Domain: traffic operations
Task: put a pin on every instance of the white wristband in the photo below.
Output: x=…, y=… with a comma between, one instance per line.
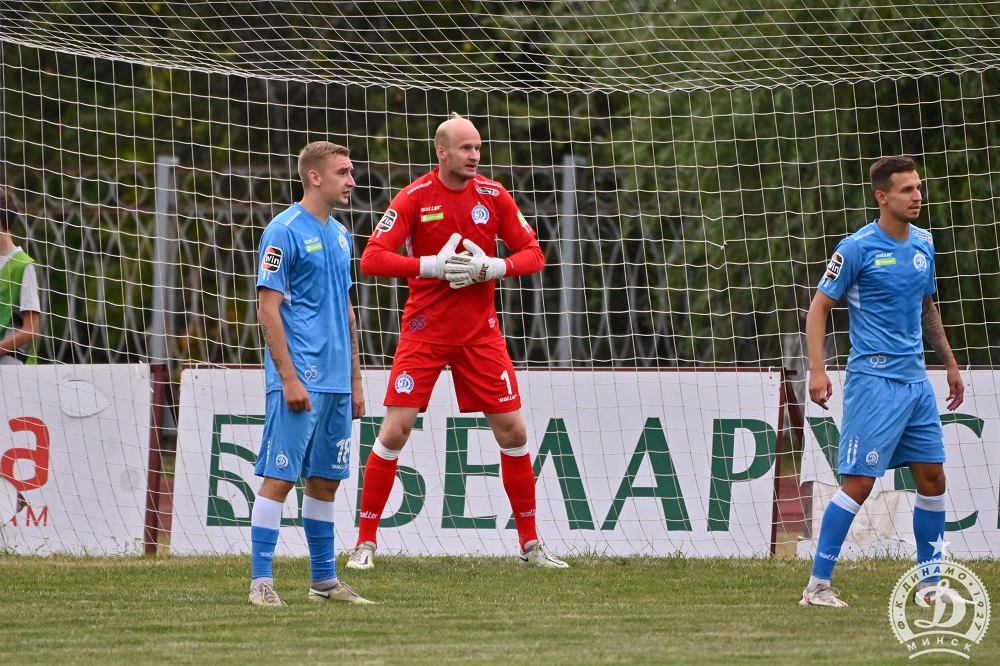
x=428, y=266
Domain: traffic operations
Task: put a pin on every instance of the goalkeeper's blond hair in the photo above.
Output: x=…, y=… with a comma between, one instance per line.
x=312, y=156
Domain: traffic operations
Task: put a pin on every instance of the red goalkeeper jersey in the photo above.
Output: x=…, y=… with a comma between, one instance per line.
x=423, y=216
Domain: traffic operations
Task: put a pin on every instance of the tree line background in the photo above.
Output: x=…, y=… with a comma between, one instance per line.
x=720, y=155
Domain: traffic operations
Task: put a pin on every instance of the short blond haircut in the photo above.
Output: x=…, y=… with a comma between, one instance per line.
x=312, y=156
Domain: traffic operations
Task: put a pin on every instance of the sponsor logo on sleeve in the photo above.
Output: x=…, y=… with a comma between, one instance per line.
x=833, y=268
x=385, y=224
x=271, y=260
x=493, y=192
x=480, y=214
x=524, y=223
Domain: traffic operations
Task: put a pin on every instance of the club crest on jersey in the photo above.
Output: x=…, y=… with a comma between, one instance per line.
x=343, y=244
x=271, y=260
x=480, y=214
x=920, y=262
x=487, y=190
x=833, y=268
x=404, y=383
x=388, y=219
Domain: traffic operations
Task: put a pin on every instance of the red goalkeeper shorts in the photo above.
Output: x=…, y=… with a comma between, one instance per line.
x=482, y=372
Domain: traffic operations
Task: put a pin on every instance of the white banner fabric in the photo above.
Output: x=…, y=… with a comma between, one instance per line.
x=74, y=449
x=632, y=462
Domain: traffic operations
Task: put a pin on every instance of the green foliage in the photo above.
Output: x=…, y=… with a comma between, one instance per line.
x=722, y=153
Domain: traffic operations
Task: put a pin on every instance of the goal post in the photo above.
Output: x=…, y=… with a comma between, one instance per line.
x=688, y=173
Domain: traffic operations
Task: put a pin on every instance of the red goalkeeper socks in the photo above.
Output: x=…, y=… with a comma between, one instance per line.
x=519, y=482
x=379, y=477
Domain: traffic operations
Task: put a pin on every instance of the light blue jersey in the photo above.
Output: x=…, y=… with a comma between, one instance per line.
x=884, y=281
x=310, y=263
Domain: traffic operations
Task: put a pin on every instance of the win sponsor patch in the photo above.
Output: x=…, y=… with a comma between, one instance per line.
x=271, y=261
x=432, y=217
x=389, y=219
x=833, y=268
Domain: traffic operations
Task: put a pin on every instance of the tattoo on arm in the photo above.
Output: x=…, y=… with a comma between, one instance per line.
x=355, y=348
x=269, y=341
x=934, y=331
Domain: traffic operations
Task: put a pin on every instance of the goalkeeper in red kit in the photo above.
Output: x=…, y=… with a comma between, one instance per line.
x=450, y=320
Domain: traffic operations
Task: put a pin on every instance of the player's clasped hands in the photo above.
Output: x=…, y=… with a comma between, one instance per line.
x=433, y=266
x=461, y=269
x=472, y=266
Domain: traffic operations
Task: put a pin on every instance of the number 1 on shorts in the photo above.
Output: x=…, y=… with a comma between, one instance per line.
x=506, y=378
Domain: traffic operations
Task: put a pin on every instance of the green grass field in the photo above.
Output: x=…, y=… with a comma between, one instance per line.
x=454, y=610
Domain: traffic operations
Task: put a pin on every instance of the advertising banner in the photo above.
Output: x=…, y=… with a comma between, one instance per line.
x=74, y=446
x=627, y=462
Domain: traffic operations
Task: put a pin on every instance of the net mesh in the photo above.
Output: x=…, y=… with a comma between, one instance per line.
x=688, y=166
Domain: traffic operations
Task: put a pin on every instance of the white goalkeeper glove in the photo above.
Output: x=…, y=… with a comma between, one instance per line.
x=464, y=269
x=432, y=266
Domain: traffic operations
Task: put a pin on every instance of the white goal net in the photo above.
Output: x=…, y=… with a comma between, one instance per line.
x=688, y=168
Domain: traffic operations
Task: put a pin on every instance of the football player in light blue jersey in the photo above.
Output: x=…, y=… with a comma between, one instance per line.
x=312, y=371
x=885, y=272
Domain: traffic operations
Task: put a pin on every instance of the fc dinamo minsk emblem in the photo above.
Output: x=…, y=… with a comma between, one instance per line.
x=920, y=262
x=480, y=214
x=281, y=460
x=929, y=625
x=404, y=383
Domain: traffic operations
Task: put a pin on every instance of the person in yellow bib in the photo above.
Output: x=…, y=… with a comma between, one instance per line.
x=20, y=307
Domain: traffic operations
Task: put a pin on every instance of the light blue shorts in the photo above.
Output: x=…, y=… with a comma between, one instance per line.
x=306, y=444
x=887, y=425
